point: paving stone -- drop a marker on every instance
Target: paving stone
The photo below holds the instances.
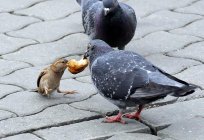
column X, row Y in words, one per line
column 196, row 8
column 26, row 78
column 191, row 129
column 10, row 5
column 196, row 28
column 53, row 116
column 47, row 10
column 165, row 115
column 8, row 89
column 32, row 102
column 51, row 30
column 9, row 66
column 133, row 136
column 145, row 7
column 49, row 52
column 193, row 75
column 9, row 22
column 194, row 51
column 86, row 79
column 163, row 20
column 5, row 114
column 10, row 44
column 90, row 130
column 25, row 136
column 166, row 63
column 96, row 103
column 163, row 42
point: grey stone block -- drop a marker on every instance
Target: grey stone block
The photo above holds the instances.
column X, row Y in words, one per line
column 86, row 79
column 25, row 136
column 25, row 78
column 159, row 42
column 196, row 8
column 6, row 114
column 191, row 129
column 193, row 75
column 47, row 10
column 163, row 20
column 171, row 65
column 146, row 7
column 52, row 116
column 8, row 89
column 96, row 103
column 10, row 5
column 195, row 29
column 10, row 44
column 90, row 130
column 49, row 31
column 11, row 22
column 48, row 52
column 194, row 51
column 163, row 116
column 8, row 67
column 134, row 136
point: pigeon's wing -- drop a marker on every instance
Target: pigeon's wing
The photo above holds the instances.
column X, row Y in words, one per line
column 130, row 13
column 90, row 13
column 160, row 85
column 117, row 76
column 43, row 72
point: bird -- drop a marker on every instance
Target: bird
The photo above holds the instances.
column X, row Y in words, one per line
column 49, row 78
column 108, row 20
column 127, row 79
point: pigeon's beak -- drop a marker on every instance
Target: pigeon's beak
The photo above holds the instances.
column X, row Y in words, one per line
column 106, row 11
column 86, row 54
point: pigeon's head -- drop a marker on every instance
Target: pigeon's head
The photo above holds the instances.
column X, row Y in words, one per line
column 109, row 6
column 96, row 48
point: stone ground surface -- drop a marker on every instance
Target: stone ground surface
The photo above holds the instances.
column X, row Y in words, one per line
column 33, row 33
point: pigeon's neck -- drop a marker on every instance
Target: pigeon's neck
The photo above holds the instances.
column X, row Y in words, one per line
column 97, row 54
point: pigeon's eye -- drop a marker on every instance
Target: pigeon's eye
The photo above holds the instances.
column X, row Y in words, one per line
column 92, row 48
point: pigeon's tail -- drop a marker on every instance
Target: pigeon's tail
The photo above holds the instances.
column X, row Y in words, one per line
column 185, row 90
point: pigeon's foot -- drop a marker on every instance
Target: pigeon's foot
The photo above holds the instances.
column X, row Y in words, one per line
column 135, row 115
column 132, row 116
column 114, row 119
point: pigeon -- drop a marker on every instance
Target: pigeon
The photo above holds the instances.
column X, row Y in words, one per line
column 108, row 20
column 127, row 79
column 49, row 78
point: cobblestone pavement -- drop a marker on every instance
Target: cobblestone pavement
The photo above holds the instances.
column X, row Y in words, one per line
column 33, row 33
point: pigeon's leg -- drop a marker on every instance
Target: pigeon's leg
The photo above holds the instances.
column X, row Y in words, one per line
column 121, row 48
column 135, row 115
column 117, row 118
column 66, row 92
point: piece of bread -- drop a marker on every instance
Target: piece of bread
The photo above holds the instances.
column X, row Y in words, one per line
column 75, row 66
